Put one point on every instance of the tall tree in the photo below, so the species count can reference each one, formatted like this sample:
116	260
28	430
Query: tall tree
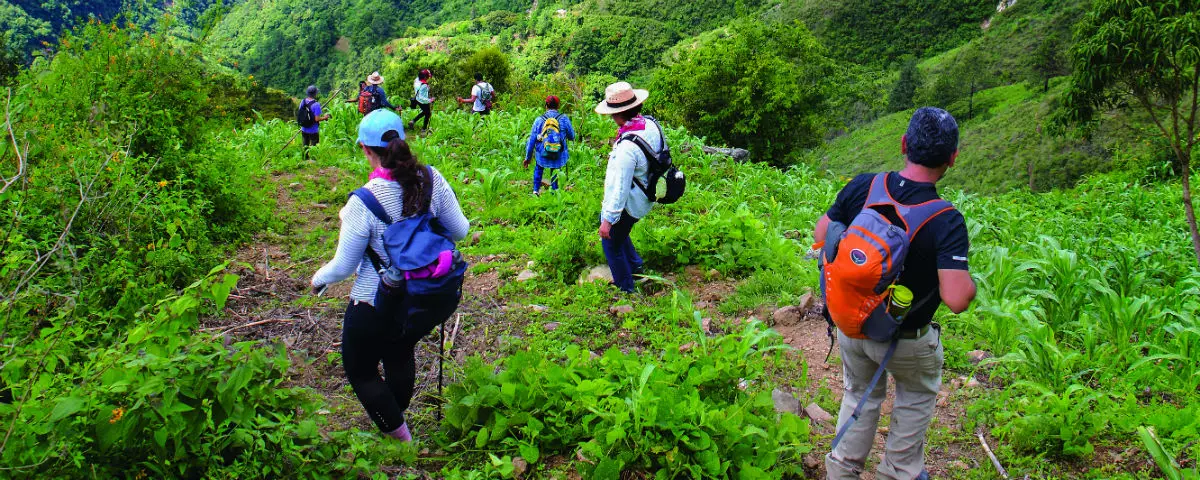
906	86
1047	61
1146	54
756	85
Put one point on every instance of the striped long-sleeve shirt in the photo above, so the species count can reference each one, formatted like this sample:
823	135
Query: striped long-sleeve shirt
361	228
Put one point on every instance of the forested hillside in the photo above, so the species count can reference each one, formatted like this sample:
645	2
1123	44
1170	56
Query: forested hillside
161	226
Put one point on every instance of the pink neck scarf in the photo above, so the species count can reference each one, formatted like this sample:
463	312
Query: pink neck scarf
635	124
382	173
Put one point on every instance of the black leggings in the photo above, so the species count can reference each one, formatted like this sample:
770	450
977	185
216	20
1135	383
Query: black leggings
369	338
425	112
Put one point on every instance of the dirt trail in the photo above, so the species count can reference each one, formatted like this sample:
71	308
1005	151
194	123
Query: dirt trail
272	303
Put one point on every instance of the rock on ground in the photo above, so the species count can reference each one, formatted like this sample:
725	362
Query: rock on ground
818	414
789	315
785	402
620	310
598	273
977	356
526	275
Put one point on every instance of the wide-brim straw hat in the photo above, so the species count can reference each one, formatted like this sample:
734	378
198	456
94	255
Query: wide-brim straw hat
375	79
619	97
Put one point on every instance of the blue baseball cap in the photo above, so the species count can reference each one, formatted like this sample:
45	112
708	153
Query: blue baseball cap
932	137
374	129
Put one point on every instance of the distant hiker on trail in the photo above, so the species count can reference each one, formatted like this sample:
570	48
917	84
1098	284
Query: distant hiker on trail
371	96
421	99
548	142
483	96
421	283
884	312
625	203
309	116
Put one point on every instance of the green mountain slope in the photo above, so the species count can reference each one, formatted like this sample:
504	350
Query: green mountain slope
1007	142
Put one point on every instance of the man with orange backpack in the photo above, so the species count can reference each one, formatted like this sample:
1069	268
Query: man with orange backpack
892	251
371	96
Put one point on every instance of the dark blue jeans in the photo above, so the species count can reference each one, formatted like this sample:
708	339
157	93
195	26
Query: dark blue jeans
370	337
623	259
538	172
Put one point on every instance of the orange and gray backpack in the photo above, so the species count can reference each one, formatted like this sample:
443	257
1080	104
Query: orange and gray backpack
861	263
368	99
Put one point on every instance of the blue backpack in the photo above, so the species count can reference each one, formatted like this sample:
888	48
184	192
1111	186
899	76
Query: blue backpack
424	260
551	139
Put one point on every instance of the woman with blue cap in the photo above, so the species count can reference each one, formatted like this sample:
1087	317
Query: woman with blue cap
370	337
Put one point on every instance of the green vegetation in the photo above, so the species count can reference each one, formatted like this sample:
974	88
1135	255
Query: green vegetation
1150	55
762	86
872	31
137	168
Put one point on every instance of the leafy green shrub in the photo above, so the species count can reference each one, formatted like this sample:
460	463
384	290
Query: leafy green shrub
1063	424
754	85
684	414
734	242
160	400
618	45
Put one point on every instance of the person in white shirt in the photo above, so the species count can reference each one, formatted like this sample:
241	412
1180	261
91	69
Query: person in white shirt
624	203
422	99
483	95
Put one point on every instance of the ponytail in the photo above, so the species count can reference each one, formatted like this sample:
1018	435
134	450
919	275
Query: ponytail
405	169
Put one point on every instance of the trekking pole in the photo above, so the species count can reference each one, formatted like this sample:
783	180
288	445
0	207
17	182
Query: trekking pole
267	159
441	363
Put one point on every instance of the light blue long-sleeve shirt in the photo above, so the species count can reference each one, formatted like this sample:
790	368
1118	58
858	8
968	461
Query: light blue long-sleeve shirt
625	163
564	126
421	92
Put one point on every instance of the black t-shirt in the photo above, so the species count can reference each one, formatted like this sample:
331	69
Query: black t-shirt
941	244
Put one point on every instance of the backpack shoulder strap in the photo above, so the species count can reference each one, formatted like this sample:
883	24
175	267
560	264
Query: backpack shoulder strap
428	200
661	133
878	193
870	388
649	153
364	194
641	143
376	209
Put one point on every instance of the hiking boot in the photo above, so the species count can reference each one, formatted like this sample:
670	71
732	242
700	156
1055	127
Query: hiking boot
924	475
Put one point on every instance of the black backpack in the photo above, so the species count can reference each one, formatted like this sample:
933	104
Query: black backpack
659	166
304	114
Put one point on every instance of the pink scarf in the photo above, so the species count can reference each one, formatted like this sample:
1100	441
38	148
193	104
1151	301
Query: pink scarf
382	173
635	124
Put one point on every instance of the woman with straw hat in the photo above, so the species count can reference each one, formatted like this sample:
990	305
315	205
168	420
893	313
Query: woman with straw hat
625	203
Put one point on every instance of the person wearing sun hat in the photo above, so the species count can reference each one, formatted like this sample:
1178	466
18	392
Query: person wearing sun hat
388	336
624	203
374	87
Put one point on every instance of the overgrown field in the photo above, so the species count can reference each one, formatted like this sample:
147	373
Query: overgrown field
1089	302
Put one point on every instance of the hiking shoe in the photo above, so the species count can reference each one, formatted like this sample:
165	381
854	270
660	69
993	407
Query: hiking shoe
924	475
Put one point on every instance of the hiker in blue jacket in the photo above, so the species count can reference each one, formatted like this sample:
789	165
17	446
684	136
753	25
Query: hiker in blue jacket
548	142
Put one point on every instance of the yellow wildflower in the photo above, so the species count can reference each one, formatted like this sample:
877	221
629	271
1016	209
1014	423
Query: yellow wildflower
162	183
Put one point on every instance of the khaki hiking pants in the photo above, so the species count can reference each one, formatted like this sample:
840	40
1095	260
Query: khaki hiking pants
916	368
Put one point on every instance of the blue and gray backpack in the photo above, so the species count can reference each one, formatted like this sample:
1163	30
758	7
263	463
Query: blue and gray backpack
424	260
